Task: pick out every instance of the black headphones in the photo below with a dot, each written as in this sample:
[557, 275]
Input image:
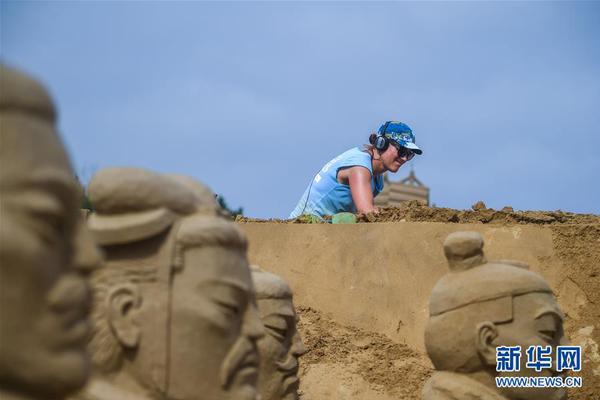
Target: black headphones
[381, 142]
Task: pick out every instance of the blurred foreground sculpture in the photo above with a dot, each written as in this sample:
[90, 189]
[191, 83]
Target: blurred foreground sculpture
[478, 306]
[174, 310]
[45, 251]
[281, 347]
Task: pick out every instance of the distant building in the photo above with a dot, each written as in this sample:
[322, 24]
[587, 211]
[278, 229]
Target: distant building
[409, 188]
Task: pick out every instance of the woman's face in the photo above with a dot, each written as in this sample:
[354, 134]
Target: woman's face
[392, 161]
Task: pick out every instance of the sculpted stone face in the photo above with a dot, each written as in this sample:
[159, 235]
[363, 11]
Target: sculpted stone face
[479, 306]
[45, 251]
[537, 320]
[281, 347]
[214, 327]
[175, 302]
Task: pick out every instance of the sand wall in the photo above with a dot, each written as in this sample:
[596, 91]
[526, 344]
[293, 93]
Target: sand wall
[377, 277]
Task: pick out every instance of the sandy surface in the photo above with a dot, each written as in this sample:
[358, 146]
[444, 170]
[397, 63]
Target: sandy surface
[349, 363]
[578, 246]
[345, 362]
[413, 211]
[359, 352]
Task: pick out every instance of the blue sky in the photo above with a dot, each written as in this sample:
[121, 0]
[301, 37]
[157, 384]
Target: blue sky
[252, 98]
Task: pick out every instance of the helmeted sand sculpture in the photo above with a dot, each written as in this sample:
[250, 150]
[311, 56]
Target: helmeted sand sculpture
[174, 311]
[282, 345]
[478, 306]
[45, 252]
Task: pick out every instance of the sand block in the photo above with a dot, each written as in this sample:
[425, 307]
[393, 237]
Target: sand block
[379, 276]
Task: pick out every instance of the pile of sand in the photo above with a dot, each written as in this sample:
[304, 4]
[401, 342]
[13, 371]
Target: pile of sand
[578, 247]
[413, 211]
[345, 362]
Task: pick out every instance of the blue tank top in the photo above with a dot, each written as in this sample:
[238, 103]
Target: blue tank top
[326, 196]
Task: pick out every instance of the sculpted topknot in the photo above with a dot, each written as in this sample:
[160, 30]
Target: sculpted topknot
[464, 250]
[472, 279]
[21, 93]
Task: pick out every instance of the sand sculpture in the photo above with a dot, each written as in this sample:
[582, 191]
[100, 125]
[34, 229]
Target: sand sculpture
[45, 252]
[174, 311]
[478, 306]
[281, 346]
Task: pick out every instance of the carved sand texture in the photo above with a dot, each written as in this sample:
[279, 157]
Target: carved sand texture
[578, 247]
[369, 365]
[476, 307]
[281, 346]
[377, 278]
[416, 212]
[174, 301]
[46, 253]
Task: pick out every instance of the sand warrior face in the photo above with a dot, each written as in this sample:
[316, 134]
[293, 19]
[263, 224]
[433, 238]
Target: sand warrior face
[45, 251]
[214, 321]
[479, 306]
[282, 346]
[169, 253]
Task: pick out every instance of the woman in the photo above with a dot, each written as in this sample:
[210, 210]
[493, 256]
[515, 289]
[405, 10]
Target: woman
[351, 181]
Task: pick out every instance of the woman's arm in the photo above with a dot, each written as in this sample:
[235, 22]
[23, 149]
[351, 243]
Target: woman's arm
[359, 180]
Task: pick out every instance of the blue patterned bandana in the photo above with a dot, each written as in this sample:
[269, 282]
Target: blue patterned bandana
[401, 134]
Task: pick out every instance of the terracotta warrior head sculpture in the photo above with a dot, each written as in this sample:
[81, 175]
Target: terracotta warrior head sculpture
[281, 347]
[174, 310]
[45, 252]
[479, 306]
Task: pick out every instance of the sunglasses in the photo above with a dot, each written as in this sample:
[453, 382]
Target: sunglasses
[403, 152]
